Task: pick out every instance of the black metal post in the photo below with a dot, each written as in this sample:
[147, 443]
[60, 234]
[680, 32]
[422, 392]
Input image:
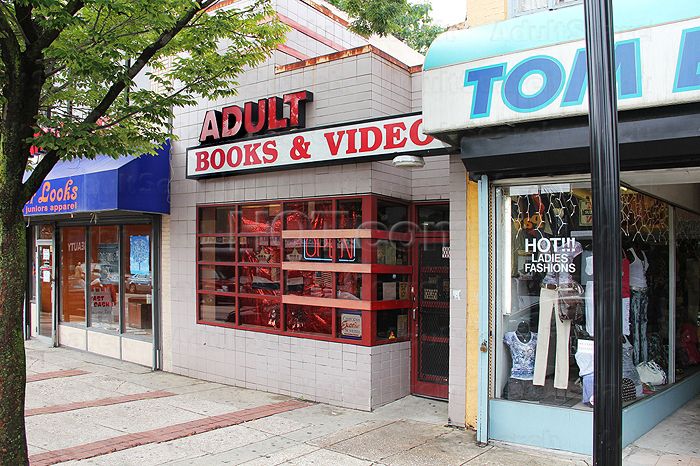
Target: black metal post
[607, 249]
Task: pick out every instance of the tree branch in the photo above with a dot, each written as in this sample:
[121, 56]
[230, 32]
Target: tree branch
[47, 37]
[143, 59]
[44, 167]
[37, 176]
[8, 42]
[23, 12]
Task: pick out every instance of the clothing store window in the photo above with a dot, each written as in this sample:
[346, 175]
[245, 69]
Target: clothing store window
[72, 275]
[104, 278]
[687, 230]
[546, 317]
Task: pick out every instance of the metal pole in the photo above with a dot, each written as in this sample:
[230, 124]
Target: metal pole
[607, 249]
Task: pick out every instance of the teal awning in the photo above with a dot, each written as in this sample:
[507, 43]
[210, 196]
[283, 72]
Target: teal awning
[537, 30]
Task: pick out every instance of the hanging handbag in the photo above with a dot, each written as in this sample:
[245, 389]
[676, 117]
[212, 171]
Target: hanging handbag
[651, 374]
[629, 391]
[571, 302]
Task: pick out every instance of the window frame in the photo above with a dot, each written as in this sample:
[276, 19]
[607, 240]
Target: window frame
[367, 306]
[513, 10]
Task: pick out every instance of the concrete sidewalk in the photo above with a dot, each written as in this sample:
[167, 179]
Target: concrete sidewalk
[89, 410]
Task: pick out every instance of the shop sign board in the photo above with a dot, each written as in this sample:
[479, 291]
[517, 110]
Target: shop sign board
[370, 140]
[256, 117]
[320, 249]
[351, 324]
[58, 196]
[656, 66]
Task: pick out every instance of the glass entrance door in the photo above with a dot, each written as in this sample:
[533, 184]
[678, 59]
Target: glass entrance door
[431, 335]
[45, 287]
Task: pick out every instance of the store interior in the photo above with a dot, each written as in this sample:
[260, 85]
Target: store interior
[544, 301]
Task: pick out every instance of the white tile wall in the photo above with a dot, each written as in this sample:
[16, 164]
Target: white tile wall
[349, 89]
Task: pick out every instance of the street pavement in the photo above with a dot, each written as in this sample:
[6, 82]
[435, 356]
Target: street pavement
[86, 409]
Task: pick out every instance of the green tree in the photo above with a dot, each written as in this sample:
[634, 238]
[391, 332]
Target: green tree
[67, 75]
[67, 80]
[410, 22]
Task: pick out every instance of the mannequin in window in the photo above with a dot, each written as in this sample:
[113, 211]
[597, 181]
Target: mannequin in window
[639, 301]
[549, 308]
[522, 344]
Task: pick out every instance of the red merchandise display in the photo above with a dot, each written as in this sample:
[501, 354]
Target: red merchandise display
[330, 269]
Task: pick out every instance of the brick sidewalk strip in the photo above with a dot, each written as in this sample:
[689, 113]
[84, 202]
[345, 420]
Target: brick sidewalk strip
[55, 375]
[94, 403]
[164, 434]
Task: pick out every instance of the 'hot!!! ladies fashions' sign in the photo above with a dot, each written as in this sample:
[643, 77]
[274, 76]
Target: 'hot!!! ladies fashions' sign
[371, 140]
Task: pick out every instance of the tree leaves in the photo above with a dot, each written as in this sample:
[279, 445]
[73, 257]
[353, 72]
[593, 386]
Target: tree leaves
[96, 47]
[407, 21]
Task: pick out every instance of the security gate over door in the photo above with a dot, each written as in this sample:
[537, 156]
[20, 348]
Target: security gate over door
[431, 323]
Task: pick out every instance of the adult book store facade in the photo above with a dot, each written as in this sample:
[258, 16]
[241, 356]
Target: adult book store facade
[302, 262]
[524, 139]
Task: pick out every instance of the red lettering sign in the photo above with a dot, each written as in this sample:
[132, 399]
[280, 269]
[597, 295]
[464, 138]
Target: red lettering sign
[256, 117]
[378, 139]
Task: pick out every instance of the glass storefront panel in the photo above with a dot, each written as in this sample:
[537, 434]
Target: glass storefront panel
[260, 219]
[349, 214]
[217, 249]
[216, 220]
[138, 279]
[72, 275]
[309, 283]
[259, 280]
[433, 217]
[217, 308]
[259, 312]
[392, 325]
[546, 316]
[308, 215]
[259, 249]
[687, 263]
[392, 216]
[104, 277]
[309, 319]
[348, 285]
[391, 287]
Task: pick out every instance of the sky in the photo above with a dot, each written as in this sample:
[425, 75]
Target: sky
[448, 12]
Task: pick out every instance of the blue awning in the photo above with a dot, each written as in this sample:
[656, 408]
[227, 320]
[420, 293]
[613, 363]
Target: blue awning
[136, 184]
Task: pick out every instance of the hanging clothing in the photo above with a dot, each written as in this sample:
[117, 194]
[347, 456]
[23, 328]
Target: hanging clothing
[638, 320]
[625, 278]
[590, 306]
[523, 355]
[549, 306]
[638, 270]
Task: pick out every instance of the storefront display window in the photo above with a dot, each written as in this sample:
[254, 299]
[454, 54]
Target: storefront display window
[138, 279]
[72, 274]
[299, 265]
[544, 349]
[104, 277]
[687, 263]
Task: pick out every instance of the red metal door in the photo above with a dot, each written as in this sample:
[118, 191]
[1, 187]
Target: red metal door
[431, 319]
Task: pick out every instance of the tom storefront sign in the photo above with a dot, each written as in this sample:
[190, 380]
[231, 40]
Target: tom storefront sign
[656, 66]
[223, 152]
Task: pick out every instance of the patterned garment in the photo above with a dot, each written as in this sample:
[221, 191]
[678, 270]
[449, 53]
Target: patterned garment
[523, 355]
[638, 320]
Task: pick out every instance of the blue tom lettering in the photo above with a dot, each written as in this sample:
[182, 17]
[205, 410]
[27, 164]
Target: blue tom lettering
[688, 70]
[553, 81]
